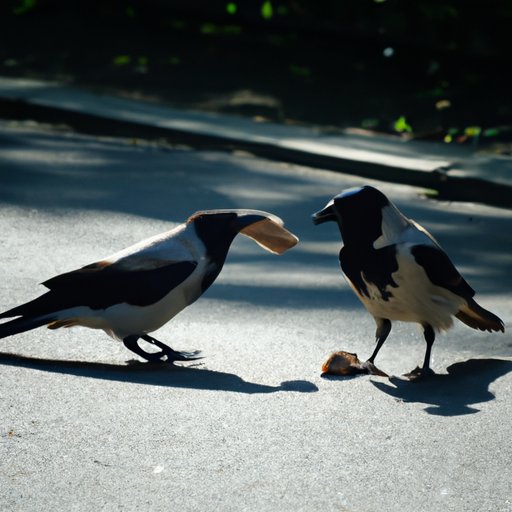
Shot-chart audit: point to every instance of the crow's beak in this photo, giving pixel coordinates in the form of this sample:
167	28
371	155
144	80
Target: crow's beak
325	215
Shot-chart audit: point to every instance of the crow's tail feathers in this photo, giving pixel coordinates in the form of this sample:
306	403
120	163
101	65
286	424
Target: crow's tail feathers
479	318
23	324
32	314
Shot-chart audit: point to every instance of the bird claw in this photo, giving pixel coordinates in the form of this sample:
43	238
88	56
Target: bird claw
372	369
165	355
419	374
174	355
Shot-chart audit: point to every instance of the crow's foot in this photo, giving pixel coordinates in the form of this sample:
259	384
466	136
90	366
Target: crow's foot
419	374
166	354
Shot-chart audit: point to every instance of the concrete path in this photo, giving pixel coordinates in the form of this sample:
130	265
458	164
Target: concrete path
253	426
455	172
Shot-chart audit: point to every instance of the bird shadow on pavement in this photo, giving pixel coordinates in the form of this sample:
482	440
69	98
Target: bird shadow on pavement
155	374
451	394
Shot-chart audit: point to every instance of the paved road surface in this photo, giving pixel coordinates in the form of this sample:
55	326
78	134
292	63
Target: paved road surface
254	426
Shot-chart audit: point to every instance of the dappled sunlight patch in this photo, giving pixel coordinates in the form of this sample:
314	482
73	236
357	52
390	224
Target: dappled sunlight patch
362	155
18	86
323	248
260	275
48	157
263	194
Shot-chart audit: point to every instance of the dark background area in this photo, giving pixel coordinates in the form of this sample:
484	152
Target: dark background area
430	69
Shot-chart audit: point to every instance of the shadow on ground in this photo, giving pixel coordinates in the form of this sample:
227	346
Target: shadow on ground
161	374
466	383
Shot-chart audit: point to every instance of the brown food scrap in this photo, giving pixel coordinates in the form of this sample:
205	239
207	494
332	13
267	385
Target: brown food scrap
345	364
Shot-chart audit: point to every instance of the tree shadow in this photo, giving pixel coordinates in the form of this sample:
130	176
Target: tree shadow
465	384
154	374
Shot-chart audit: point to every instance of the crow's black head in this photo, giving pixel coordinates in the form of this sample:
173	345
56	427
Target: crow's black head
358	213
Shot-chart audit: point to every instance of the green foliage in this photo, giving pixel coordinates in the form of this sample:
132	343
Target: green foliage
402	126
267	11
130	12
121	60
231	8
472	131
24	7
472	134
492	132
209	28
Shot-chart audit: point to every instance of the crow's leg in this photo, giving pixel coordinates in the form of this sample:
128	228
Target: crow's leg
383	329
430	336
131	343
382	332
172	355
419	373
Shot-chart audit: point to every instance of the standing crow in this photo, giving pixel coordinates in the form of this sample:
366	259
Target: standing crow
399	271
137	290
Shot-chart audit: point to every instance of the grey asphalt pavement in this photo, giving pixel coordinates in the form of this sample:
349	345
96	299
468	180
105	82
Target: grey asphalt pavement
252	426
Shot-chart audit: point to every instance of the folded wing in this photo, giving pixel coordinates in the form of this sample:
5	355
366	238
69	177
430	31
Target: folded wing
101	285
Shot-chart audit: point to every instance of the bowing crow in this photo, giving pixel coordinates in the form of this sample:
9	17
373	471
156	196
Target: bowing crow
398	270
136	291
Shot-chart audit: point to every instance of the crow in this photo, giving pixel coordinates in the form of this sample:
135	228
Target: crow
398	270
137	290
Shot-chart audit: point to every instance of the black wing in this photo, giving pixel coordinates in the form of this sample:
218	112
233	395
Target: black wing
376	265
441	271
99	286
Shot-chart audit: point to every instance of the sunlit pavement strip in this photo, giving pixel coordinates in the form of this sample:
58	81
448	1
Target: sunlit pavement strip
254	426
388	153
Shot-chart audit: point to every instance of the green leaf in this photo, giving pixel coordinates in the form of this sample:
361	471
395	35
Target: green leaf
402	126
24	7
130	12
431	193
121	60
231	8
491	132
209	28
267	11
473	131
